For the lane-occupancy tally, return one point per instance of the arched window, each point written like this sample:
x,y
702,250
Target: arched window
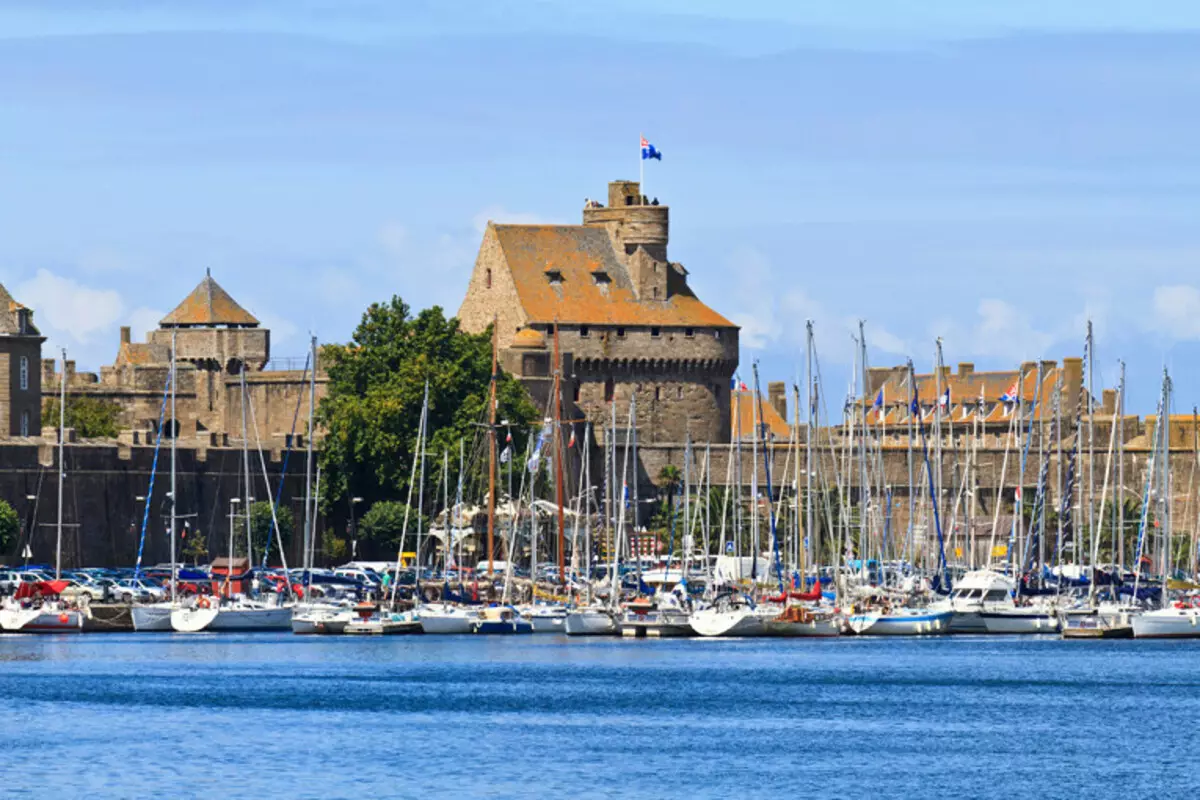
x,y
24,374
608,390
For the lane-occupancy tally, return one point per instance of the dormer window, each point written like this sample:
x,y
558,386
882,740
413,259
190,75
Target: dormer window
x,y
584,331
601,277
689,332
620,333
554,276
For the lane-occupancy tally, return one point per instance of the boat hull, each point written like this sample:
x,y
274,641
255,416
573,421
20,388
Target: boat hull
x,y
931,624
823,627
656,624
1168,623
505,627
155,617
447,622
316,622
547,622
742,622
1020,622
590,623
41,621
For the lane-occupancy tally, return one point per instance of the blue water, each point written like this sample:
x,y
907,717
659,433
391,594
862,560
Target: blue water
x,y
541,716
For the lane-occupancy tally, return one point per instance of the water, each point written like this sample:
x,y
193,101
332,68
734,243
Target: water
x,y
180,716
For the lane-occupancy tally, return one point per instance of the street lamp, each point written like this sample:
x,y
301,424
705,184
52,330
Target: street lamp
x,y
353,528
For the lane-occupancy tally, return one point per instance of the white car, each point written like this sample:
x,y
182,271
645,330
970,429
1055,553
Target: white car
x,y
132,589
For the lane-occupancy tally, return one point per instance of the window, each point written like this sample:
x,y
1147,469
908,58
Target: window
x,y
554,276
620,333
655,332
488,277
678,392
608,390
655,293
24,423
583,331
689,332
716,334
657,393
24,373
575,393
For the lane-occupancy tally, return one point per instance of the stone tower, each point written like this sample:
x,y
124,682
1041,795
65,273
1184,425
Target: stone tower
x,y
20,370
627,322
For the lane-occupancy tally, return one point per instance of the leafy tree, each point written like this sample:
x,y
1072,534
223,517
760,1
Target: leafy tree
x,y
261,529
195,549
383,524
91,417
10,526
373,405
333,546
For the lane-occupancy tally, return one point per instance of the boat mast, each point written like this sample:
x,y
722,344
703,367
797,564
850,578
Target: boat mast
x,y
1091,431
492,460
559,456
421,488
174,494
62,476
308,466
246,466
809,440
1166,482
1120,493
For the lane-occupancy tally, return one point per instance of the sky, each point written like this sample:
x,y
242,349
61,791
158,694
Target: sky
x,y
990,174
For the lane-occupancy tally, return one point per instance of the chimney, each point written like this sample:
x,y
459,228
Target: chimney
x,y
966,368
777,395
125,334
1108,403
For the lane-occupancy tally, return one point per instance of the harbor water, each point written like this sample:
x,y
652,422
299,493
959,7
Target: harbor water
x,y
127,715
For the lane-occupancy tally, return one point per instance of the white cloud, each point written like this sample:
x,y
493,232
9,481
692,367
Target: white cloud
x,y
1177,312
999,330
65,306
144,320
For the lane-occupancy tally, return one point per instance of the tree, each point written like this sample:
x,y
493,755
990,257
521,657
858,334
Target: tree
x,y
10,526
195,549
262,527
91,417
383,524
373,404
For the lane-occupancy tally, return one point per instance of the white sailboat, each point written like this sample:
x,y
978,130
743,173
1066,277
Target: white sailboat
x,y
52,614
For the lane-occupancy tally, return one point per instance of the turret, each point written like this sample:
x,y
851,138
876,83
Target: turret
x,y
639,232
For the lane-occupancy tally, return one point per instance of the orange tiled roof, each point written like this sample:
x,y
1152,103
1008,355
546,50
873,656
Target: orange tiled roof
x,y
140,354
744,410
575,252
208,304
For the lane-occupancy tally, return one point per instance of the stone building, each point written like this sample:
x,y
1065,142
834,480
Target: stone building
x,y
627,322
20,380
215,339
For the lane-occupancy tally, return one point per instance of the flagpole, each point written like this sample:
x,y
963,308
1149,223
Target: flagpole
x,y
641,170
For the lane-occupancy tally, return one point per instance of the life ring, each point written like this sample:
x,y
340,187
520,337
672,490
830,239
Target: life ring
x,y
202,602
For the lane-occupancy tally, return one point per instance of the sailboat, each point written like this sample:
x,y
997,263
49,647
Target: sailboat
x,y
229,611
40,608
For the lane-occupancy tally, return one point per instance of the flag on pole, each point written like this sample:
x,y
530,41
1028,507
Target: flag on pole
x,y
650,151
1011,395
878,406
944,400
505,455
572,442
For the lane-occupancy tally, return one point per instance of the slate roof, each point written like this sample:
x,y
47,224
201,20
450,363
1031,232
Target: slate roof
x,y
207,305
579,258
8,316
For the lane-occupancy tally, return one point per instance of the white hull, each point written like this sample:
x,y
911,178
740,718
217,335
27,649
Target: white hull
x,y
741,621
155,617
658,624
967,622
819,627
1167,623
546,619
590,622
234,618
919,624
41,620
447,621
385,625
1020,621
317,620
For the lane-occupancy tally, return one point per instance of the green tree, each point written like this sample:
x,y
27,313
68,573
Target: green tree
x,y
261,529
91,417
195,549
383,524
376,383
10,526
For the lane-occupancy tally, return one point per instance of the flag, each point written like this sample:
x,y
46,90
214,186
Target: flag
x,y
508,438
879,399
914,406
1011,395
649,151
535,460
572,442
944,400
505,455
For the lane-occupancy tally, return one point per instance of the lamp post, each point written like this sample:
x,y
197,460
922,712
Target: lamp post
x,y
354,528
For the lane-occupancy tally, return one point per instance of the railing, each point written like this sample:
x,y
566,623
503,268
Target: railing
x,y
285,364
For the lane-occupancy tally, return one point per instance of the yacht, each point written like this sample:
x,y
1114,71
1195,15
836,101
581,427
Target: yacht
x,y
1178,621
322,618
976,592
545,617
591,621
732,615
666,617
239,614
51,616
901,622
447,618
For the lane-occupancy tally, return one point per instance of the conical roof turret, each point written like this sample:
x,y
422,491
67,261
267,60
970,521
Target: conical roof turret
x,y
209,306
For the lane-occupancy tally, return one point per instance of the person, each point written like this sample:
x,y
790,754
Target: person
x,y
386,581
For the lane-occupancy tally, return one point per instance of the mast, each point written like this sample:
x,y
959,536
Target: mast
x,y
308,465
174,495
1166,482
1120,493
421,488
246,466
62,475
809,439
559,456
492,461
1091,431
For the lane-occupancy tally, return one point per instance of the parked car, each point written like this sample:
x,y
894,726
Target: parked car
x,y
132,589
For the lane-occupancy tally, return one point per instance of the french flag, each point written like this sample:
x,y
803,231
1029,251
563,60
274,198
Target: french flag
x,y
649,151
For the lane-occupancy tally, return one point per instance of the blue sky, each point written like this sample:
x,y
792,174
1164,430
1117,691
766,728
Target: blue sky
x,y
990,173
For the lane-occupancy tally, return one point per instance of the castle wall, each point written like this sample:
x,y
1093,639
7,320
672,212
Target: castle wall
x,y
491,293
